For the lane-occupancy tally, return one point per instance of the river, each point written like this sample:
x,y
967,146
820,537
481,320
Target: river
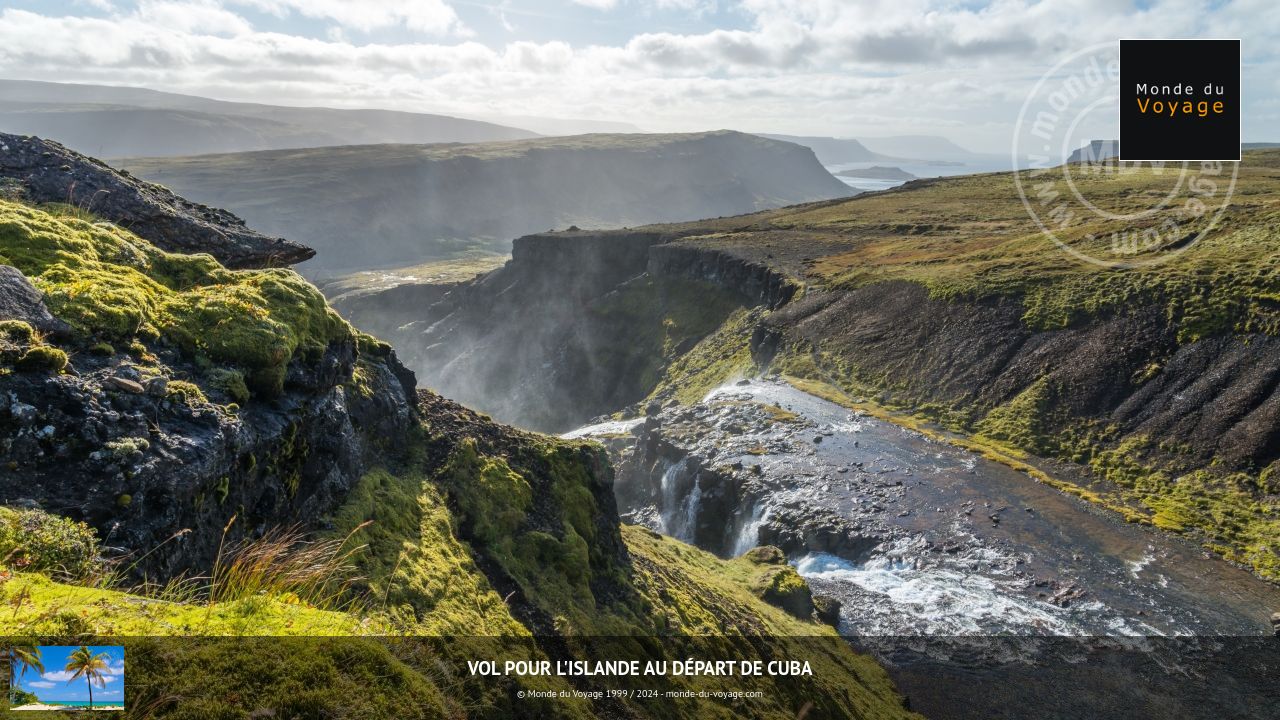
x,y
922,540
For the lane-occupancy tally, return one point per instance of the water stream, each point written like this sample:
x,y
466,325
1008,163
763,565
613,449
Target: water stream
x,y
957,544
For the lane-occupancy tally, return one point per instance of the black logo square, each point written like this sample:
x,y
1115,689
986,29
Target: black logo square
x,y
1180,100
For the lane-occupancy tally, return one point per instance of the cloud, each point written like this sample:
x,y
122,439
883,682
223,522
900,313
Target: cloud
x,y
41,684
426,16
58,676
801,66
597,4
192,16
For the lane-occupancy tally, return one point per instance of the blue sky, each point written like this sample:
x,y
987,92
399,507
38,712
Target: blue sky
x,y
824,67
55,684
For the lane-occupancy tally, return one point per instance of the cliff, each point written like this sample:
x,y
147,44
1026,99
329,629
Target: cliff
x,y
379,206
1150,391
41,171
197,451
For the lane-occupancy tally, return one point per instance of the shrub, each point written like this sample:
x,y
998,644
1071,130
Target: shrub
x,y
38,541
42,358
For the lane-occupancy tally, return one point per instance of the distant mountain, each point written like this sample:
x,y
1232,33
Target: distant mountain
x,y
1096,151
108,121
563,126
919,147
380,206
832,151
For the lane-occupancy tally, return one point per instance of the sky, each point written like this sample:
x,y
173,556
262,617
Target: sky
x,y
840,68
56,684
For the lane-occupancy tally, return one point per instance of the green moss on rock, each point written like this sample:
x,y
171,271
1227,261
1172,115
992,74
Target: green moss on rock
x,y
42,358
110,285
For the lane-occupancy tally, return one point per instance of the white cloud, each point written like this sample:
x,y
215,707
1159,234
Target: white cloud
x,y
802,66
597,4
192,16
58,675
41,684
427,16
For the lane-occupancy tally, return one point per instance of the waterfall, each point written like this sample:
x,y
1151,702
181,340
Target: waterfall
x,y
689,526
670,492
749,534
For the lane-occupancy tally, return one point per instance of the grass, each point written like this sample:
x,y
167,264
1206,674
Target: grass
x,y
969,238
719,357
285,563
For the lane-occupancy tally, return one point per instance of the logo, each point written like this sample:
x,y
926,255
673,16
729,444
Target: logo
x,y
1096,207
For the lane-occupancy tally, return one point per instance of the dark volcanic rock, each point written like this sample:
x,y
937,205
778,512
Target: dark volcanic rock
x,y
48,172
20,300
142,466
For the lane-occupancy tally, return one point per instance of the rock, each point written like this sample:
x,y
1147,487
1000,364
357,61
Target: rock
x,y
20,300
766,555
125,384
1275,623
827,609
157,386
150,211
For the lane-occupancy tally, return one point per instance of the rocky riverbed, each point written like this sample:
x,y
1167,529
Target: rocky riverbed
x,y
913,536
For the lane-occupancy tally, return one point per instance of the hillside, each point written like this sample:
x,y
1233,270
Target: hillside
x,y
108,121
1150,391
832,151
365,207
197,451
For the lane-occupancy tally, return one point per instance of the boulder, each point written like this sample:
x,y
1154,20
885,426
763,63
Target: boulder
x,y
45,172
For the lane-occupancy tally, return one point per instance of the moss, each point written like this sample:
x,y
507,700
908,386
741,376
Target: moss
x,y
18,331
124,500
38,541
370,345
102,349
46,605
110,285
783,587
716,359
185,392
1023,420
42,358
126,448
231,382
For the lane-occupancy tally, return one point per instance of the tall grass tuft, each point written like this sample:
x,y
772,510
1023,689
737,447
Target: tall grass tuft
x,y
284,563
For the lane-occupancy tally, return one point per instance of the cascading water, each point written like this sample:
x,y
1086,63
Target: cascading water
x,y
670,490
914,536
749,534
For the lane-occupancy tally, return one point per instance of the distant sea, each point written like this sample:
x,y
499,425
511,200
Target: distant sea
x,y
975,164
82,703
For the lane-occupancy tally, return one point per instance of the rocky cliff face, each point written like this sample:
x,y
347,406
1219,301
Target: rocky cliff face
x,y
153,394
577,323
379,206
42,171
